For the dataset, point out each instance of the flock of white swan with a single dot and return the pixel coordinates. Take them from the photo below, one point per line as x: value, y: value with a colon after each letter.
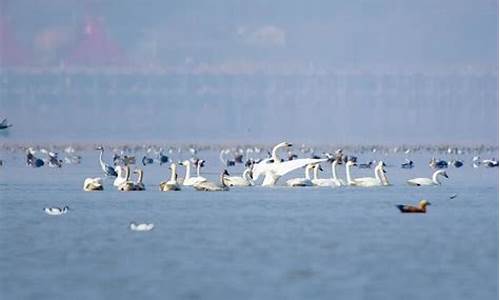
x: 271, y: 169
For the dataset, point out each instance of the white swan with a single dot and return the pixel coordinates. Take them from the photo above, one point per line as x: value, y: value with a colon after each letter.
x: 93, y: 184
x: 56, y: 211
x: 273, y: 169
x: 364, y: 181
x: 199, y: 164
x: 209, y: 186
x: 321, y: 181
x: 428, y: 181
x: 336, y: 180
x: 107, y: 169
x: 126, y: 185
x: 138, y: 185
x: 141, y: 227
x: 172, y: 184
x: 121, y: 175
x: 244, y: 180
x: 273, y: 159
x: 306, y: 181
x: 188, y: 180
x: 383, y: 174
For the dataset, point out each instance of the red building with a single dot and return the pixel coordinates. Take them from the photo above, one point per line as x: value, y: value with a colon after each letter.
x: 95, y: 47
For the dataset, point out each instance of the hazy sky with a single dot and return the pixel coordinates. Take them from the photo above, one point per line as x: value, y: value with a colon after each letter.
x: 328, y: 34
x: 217, y: 42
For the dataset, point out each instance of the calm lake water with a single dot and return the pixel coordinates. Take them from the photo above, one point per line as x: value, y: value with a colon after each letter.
x: 249, y: 243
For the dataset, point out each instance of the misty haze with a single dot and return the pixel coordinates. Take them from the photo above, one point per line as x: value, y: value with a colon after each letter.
x: 322, y: 72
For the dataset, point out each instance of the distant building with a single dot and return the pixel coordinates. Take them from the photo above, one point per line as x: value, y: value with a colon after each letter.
x: 95, y: 47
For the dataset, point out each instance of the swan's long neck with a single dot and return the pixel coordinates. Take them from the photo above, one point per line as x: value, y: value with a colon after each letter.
x: 435, y: 177
x: 246, y: 176
x: 378, y: 171
x: 315, y: 172
x: 334, y: 170
x: 307, y: 173
x: 100, y: 158
x: 221, y: 156
x: 122, y: 173
x: 173, y: 175
x: 274, y: 154
x: 198, y: 167
x: 383, y: 177
x: 140, y: 176
x: 348, y: 174
x: 188, y: 171
x: 127, y: 173
x: 222, y: 180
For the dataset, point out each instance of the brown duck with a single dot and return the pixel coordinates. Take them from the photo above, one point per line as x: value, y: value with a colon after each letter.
x: 414, y: 209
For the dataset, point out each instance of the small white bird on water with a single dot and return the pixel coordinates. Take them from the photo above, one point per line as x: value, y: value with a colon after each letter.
x: 56, y: 211
x: 141, y: 227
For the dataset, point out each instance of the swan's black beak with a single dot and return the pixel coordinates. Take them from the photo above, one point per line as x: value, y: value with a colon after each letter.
x: 445, y: 175
x: 384, y: 170
x: 320, y: 168
x: 225, y: 172
x: 289, y: 145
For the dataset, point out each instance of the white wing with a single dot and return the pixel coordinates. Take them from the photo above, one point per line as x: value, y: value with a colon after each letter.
x: 283, y: 168
x: 420, y: 181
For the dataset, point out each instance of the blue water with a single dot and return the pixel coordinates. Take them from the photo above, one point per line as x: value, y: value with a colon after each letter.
x: 252, y: 243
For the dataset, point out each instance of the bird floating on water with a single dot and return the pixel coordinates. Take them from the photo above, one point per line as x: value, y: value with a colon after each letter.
x: 429, y: 181
x: 56, y: 211
x: 438, y: 164
x: 5, y: 124
x: 209, y: 186
x: 408, y: 164
x: 172, y: 184
x: 141, y: 227
x: 93, y: 184
x: 490, y: 163
x: 244, y: 180
x: 421, y: 208
x: 139, y: 185
x: 32, y: 160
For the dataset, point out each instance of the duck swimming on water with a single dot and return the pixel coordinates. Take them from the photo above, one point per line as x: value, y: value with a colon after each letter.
x: 438, y: 164
x: 421, y: 208
x: 408, y: 164
x: 33, y: 161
